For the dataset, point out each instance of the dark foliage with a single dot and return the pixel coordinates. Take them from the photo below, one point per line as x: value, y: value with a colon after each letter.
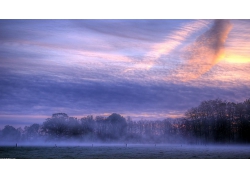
x: 219, y: 121
x: 10, y: 134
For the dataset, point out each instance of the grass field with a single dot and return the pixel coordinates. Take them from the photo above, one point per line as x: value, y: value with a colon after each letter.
x: 120, y: 151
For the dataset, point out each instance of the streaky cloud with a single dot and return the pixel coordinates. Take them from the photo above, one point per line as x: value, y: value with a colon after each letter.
x: 170, y: 43
x: 208, y: 50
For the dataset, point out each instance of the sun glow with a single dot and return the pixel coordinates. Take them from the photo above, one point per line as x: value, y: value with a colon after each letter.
x: 237, y: 59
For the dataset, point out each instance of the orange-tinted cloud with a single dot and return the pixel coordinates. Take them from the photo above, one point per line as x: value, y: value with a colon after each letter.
x: 171, y: 42
x: 205, y: 52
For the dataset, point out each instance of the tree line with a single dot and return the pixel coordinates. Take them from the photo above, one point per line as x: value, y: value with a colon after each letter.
x: 218, y: 121
x: 213, y: 121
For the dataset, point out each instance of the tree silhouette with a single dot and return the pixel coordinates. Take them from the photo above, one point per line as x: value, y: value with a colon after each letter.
x: 116, y: 126
x: 9, y: 133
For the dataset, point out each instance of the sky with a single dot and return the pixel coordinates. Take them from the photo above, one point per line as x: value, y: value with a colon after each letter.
x: 143, y: 68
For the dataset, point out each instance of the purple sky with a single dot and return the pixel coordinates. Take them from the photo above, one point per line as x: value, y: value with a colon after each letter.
x: 150, y: 69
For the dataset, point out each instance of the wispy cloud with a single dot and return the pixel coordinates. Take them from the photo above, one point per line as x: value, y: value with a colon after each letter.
x: 171, y: 42
x: 208, y: 49
x: 100, y: 67
x: 238, y: 44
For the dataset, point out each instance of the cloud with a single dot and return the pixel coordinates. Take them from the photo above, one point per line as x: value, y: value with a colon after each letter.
x: 42, y: 96
x: 237, y: 48
x: 142, y: 30
x: 208, y: 49
x: 171, y: 42
x: 90, y: 67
